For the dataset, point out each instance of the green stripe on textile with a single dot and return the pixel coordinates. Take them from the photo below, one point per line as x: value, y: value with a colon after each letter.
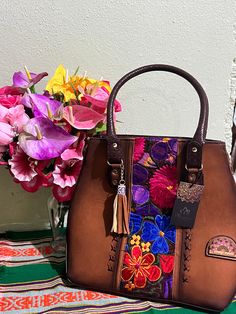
x: 29, y: 235
x: 231, y: 309
x: 29, y: 273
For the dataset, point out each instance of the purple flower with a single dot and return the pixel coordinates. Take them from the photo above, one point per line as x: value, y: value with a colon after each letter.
x: 140, y: 194
x: 20, y: 79
x: 43, y: 140
x: 43, y: 106
x: 140, y: 174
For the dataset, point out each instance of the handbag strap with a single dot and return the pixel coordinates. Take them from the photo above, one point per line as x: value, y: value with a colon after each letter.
x: 194, y: 146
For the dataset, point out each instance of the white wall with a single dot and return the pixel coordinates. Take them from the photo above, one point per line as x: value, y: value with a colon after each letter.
x: 109, y: 38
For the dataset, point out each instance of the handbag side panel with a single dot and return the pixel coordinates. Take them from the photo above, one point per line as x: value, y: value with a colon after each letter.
x: 207, y: 269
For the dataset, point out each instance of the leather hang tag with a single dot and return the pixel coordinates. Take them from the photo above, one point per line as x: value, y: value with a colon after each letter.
x: 186, y: 204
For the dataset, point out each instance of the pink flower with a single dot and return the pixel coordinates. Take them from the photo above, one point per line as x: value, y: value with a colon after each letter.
x: 163, y: 186
x: 81, y: 117
x: 6, y: 133
x: 9, y: 101
x: 17, y: 118
x: 33, y: 185
x: 63, y: 195
x: 138, y: 148
x: 22, y: 166
x: 98, y: 100
x: 66, y: 173
x: 75, y: 151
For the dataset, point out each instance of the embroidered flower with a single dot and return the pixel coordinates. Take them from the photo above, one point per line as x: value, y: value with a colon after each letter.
x: 135, y: 222
x: 167, y: 263
x: 145, y: 246
x: 129, y: 286
x: 138, y: 148
x: 135, y: 239
x: 140, y: 267
x: 159, y: 232
x: 163, y: 186
x: 140, y: 174
x: 140, y: 194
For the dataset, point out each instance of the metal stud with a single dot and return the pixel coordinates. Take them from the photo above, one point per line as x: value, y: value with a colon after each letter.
x: 194, y: 149
x: 114, y: 145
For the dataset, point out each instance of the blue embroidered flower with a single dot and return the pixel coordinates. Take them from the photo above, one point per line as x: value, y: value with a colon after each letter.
x: 135, y: 223
x: 159, y: 232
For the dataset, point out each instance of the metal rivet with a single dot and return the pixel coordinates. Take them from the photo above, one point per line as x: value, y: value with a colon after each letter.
x: 114, y: 145
x: 194, y: 149
x: 115, y: 182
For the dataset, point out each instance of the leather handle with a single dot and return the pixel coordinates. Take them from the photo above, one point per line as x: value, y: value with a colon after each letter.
x: 194, y: 157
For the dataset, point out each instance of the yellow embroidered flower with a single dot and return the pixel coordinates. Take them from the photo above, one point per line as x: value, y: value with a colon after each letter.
x: 129, y: 286
x: 145, y: 246
x: 135, y: 240
x: 69, y: 86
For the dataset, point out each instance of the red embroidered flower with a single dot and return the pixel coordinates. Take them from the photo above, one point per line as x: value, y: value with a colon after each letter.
x: 139, y: 148
x: 140, y: 267
x: 163, y: 186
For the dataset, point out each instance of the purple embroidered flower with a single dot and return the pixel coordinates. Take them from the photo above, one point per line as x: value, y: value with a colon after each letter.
x: 148, y: 209
x: 43, y: 140
x: 140, y: 194
x: 159, y: 232
x: 140, y: 174
x: 159, y: 151
x: 135, y: 223
x: 173, y: 144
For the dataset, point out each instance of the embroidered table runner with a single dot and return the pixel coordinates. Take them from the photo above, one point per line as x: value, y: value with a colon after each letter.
x: 31, y: 273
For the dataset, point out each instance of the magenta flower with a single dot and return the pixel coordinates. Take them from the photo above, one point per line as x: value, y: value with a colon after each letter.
x: 81, y: 117
x: 9, y: 101
x: 138, y: 148
x: 63, y: 195
x: 66, y: 173
x: 43, y: 140
x: 99, y: 100
x: 20, y: 79
x: 43, y: 106
x: 163, y: 186
x: 22, y: 166
x: 11, y: 90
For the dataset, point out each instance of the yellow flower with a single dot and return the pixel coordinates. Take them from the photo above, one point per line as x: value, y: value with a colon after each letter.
x: 61, y: 82
x: 135, y: 240
x: 129, y: 286
x: 145, y: 246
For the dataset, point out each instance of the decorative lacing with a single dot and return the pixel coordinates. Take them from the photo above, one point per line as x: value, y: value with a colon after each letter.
x: 186, y: 255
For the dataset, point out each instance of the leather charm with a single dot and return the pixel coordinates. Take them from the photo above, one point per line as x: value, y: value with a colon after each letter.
x: 120, y: 207
x: 186, y: 204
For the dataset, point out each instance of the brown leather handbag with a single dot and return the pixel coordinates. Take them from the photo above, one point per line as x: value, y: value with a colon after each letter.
x: 154, y: 217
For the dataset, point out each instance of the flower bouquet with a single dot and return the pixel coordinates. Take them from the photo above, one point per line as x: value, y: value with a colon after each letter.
x: 43, y: 135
